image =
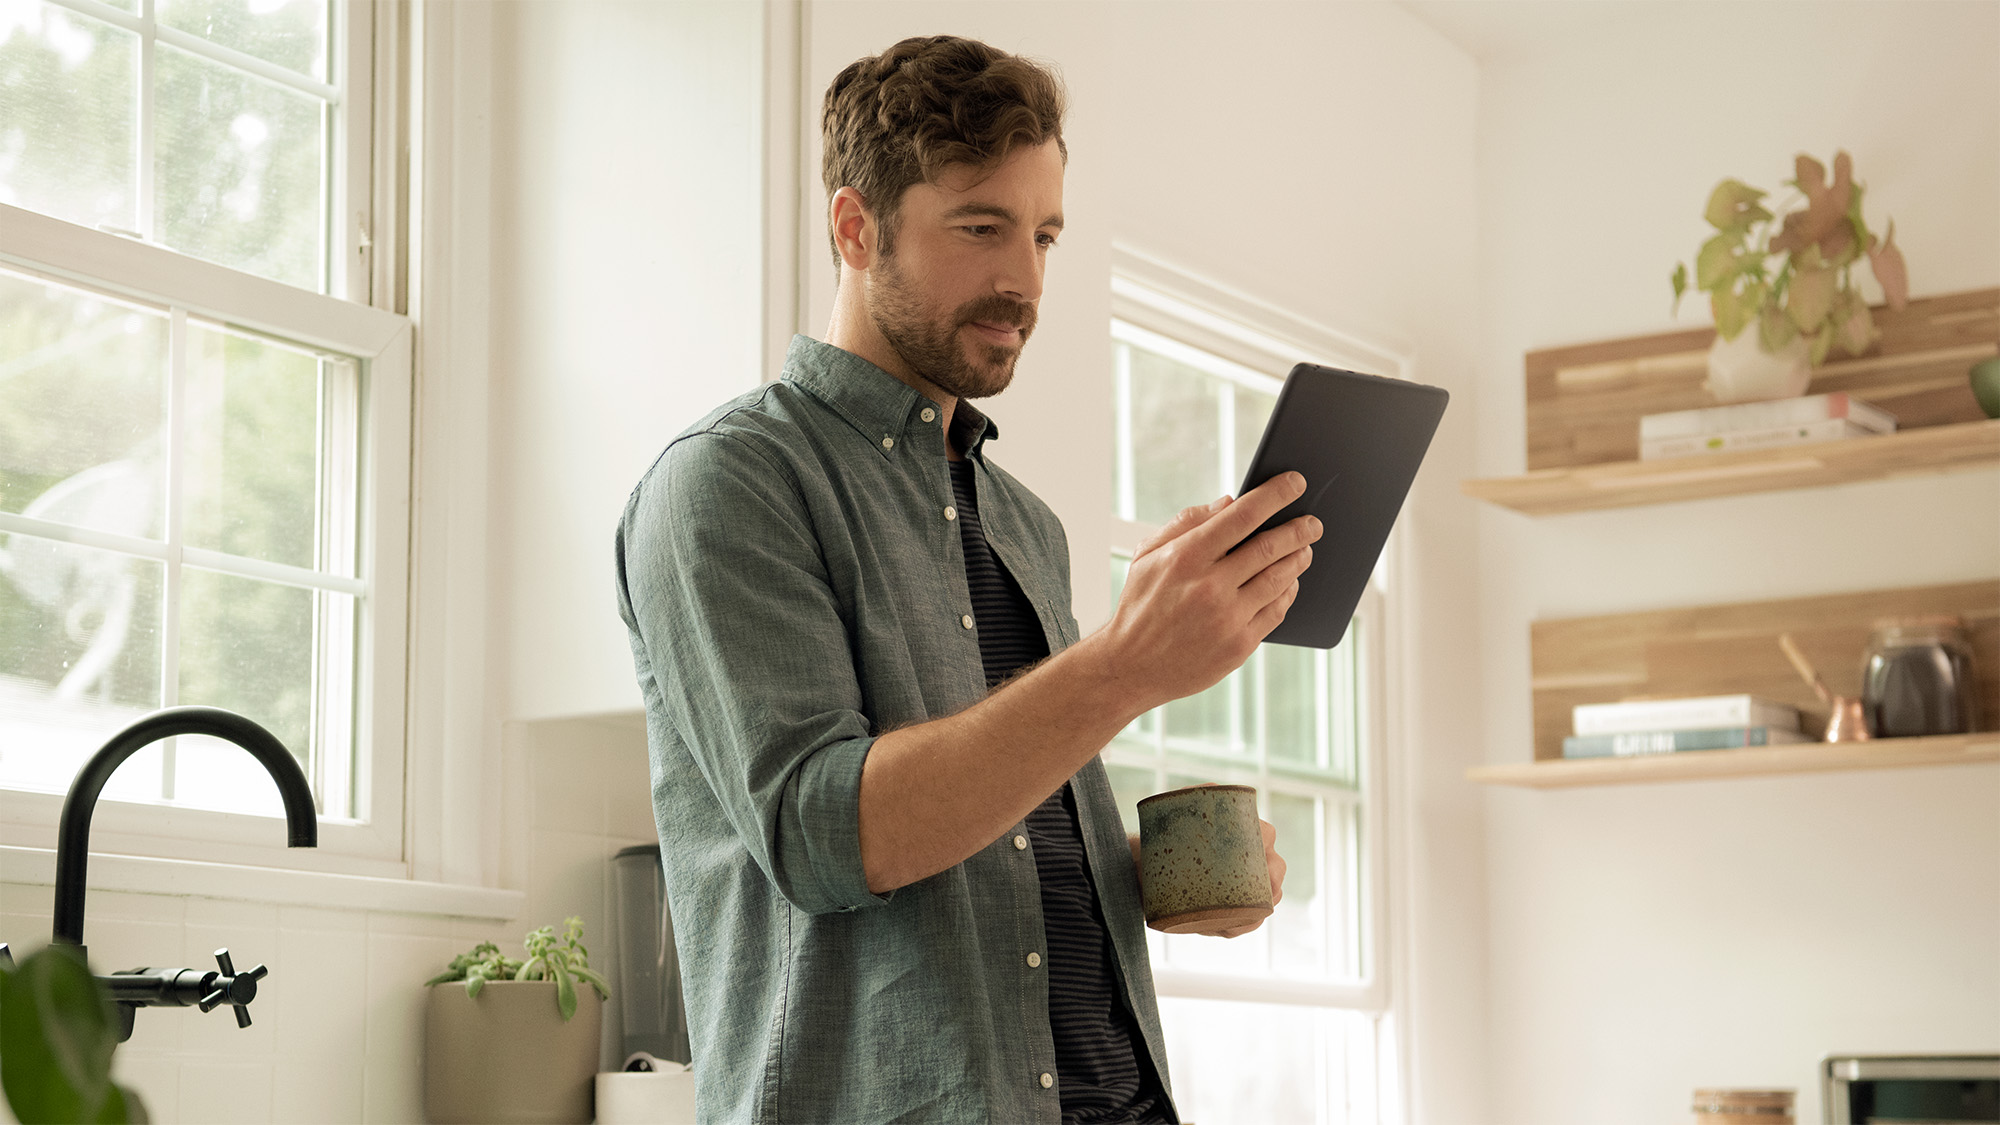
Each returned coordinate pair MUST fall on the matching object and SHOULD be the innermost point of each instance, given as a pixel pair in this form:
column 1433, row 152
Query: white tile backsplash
column 156, row 1078
column 225, row 1093
column 337, row 1027
column 393, row 1025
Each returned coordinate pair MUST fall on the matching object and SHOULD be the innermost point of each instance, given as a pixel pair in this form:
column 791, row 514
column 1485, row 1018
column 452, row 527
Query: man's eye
column 1048, row 241
column 983, row 229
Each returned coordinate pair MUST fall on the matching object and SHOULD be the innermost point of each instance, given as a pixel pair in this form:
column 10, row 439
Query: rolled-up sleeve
column 723, row 581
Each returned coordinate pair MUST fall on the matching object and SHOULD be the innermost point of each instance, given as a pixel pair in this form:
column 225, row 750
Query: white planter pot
column 1740, row 370
column 509, row 1056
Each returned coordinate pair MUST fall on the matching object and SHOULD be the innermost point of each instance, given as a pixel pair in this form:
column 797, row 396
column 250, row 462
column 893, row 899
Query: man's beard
column 931, row 349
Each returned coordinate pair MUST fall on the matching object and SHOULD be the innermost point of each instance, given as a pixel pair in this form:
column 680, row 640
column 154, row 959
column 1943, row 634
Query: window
column 1289, row 1023
column 204, row 445
column 235, row 131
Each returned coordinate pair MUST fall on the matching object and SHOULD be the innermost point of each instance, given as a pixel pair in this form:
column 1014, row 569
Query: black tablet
column 1358, row 440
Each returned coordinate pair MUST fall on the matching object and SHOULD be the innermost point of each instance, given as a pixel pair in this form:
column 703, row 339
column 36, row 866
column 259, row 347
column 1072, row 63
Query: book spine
column 1669, row 742
column 1766, row 415
column 1683, row 714
column 1870, row 417
column 1829, row 429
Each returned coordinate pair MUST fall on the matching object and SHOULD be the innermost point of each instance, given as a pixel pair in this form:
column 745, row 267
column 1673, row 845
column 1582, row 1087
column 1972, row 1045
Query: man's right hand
column 1199, row 599
column 1192, row 612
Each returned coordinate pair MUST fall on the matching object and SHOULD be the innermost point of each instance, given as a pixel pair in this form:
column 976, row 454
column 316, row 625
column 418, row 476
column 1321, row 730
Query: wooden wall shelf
column 1622, row 484
column 1727, row 649
column 1762, row 761
column 1584, row 403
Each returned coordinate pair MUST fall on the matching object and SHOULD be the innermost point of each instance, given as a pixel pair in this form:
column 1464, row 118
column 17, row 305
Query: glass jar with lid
column 1917, row 679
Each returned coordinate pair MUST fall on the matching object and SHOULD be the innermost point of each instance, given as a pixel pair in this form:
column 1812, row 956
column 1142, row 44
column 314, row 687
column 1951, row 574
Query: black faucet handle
column 233, row 988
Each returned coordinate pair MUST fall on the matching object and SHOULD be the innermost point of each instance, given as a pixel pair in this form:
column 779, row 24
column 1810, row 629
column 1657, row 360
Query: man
column 899, row 879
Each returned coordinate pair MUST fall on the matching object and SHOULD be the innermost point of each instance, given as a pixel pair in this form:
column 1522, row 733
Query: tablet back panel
column 1359, row 440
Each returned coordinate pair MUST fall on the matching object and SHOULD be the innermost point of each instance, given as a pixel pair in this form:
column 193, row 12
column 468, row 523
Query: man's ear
column 854, row 230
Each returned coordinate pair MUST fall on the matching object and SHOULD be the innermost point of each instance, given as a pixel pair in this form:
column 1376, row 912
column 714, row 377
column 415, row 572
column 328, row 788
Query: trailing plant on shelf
column 565, row 962
column 1790, row 272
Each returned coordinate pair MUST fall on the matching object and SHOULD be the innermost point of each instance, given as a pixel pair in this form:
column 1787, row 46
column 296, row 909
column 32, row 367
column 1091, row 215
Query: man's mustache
column 999, row 310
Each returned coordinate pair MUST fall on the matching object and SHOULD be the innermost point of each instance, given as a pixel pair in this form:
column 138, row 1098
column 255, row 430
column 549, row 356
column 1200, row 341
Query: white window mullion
column 148, row 112
column 334, row 666
column 1262, row 698
column 1225, row 438
column 1128, row 502
column 170, row 598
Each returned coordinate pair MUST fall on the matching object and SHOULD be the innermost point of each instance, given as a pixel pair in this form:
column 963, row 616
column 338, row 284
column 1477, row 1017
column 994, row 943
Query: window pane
column 82, row 402
column 1175, row 438
column 1281, row 1064
column 69, row 103
column 1130, row 784
column 1298, row 923
column 1201, row 722
column 241, row 169
column 1344, row 945
column 252, row 434
column 1253, row 409
column 79, row 659
column 1291, row 704
column 1344, row 707
column 247, row 646
column 291, row 34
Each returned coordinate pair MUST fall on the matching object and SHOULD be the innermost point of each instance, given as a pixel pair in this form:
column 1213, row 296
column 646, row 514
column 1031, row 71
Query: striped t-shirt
column 1100, row 1062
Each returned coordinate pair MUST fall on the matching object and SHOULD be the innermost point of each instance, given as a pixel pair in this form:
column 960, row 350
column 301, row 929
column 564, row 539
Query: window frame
column 1241, row 329
column 381, row 344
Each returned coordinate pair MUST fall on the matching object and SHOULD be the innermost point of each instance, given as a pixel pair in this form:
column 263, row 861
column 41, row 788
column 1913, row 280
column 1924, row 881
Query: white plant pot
column 508, row 1057
column 1740, row 370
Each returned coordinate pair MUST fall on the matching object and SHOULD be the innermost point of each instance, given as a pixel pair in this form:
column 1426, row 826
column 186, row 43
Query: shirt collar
column 874, row 402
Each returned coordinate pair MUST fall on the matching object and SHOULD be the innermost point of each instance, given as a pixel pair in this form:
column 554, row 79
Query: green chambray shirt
column 794, row 585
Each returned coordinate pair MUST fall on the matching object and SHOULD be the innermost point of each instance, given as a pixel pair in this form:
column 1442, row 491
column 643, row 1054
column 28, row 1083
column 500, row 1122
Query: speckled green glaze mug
column 1201, row 859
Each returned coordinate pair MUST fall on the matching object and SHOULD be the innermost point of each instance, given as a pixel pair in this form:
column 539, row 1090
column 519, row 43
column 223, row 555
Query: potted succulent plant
column 519, row 1042
column 1781, row 283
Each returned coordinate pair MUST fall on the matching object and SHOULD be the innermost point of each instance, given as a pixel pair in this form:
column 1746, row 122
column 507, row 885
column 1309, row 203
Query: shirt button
column 1048, row 1080
column 966, row 621
column 1034, row 960
column 1020, row 843
column 928, row 415
column 950, row 512
column 888, row 443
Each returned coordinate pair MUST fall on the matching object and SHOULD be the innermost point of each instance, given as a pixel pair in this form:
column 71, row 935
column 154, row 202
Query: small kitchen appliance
column 651, row 1023
column 1930, row 1089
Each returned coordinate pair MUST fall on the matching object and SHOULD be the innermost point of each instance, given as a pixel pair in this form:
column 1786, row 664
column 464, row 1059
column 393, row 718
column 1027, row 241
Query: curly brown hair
column 903, row 116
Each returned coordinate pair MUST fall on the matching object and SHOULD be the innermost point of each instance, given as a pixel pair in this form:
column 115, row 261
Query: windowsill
column 268, row 885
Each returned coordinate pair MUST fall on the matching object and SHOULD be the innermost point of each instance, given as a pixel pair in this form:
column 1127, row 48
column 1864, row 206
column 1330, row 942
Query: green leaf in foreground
column 57, row 1035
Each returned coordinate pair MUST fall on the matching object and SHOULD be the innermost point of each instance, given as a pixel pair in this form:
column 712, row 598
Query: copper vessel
column 1844, row 720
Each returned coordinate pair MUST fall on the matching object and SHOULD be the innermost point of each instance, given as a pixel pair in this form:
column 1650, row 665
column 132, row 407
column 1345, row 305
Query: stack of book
column 1760, row 425
column 1666, row 726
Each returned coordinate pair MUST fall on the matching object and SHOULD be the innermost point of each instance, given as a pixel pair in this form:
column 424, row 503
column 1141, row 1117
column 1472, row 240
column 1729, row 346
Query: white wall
column 1650, row 940
column 627, row 300
column 1319, row 157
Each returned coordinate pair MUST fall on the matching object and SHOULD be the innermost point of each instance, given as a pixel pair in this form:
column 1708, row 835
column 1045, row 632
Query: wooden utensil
column 1844, row 721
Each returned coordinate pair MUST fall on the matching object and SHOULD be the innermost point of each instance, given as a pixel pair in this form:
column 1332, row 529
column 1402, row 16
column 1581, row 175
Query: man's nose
column 1021, row 270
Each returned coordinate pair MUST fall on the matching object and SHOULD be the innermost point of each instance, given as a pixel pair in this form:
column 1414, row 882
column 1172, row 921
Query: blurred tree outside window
column 179, row 498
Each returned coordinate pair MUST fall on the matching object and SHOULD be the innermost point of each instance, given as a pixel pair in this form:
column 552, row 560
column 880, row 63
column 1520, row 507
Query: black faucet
column 136, row 988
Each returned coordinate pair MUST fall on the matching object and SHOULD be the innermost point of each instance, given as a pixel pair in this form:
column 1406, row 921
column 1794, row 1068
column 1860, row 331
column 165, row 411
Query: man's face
column 956, row 300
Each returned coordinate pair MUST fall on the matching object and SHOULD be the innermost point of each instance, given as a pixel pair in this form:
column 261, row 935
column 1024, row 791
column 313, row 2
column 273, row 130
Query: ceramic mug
column 1201, row 859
